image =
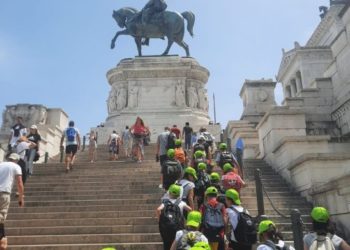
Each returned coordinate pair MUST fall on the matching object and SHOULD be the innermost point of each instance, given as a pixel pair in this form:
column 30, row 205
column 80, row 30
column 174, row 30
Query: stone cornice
column 158, row 67
column 257, row 84
column 280, row 110
column 324, row 26
column 307, row 138
column 318, row 157
column 290, row 57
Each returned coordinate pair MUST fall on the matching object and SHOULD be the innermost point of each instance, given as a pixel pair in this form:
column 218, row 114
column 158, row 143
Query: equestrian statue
column 154, row 21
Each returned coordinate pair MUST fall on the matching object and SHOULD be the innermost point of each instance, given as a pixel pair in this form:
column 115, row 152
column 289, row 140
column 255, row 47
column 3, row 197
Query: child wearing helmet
column 242, row 238
column 187, row 186
column 202, row 145
column 215, row 181
column 171, row 169
column 180, row 154
column 198, row 157
column 202, row 183
column 231, row 179
column 214, row 219
column 270, row 238
column 170, row 215
column 322, row 233
column 224, row 156
column 187, row 238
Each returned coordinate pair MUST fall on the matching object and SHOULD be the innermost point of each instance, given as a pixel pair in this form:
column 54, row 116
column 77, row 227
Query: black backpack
column 198, row 147
column 173, row 169
column 213, row 220
column 226, row 157
column 171, row 218
column 245, row 232
column 171, row 141
column 201, row 184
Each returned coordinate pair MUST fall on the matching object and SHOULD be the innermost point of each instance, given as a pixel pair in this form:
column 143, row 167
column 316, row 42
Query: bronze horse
column 166, row 24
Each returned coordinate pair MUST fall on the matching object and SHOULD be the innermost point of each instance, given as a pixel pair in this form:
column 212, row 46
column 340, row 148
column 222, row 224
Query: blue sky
column 56, row 52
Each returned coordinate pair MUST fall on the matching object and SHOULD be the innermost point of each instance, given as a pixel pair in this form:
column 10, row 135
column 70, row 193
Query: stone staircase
column 113, row 204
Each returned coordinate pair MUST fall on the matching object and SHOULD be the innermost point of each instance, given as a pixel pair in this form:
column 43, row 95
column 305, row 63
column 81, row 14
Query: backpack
column 208, row 138
column 71, row 134
column 201, row 184
column 171, row 218
column 245, row 232
column 269, row 243
column 213, row 220
column 189, row 239
column 226, row 157
column 17, row 129
column 114, row 142
column 231, row 180
column 198, row 147
column 180, row 155
column 171, row 141
column 322, row 242
column 173, row 169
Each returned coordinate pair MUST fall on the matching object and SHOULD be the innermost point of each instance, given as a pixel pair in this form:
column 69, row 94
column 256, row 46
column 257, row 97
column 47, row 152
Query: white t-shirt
column 114, row 136
column 21, row 149
column 8, row 173
column 181, row 232
column 186, row 186
column 233, row 218
column 14, row 139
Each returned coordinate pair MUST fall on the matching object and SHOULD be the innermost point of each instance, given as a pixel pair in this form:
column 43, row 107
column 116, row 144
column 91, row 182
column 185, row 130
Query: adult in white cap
column 10, row 172
column 33, row 153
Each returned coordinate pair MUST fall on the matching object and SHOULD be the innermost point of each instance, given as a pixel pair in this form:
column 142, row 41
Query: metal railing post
column 61, row 154
column 259, row 192
column 297, row 227
column 84, row 137
column 46, row 157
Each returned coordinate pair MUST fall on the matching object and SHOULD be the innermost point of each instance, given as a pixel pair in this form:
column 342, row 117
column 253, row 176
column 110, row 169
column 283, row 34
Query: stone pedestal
column 258, row 97
column 162, row 90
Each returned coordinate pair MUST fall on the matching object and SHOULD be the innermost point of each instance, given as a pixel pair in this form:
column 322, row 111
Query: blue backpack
column 71, row 134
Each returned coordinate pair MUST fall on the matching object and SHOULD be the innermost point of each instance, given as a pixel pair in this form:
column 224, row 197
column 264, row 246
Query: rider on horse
column 151, row 8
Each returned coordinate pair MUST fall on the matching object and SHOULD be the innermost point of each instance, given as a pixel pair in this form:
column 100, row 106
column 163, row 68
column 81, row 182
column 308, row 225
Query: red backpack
column 232, row 180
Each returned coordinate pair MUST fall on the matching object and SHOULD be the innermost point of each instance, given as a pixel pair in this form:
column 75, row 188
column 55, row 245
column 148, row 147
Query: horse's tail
column 190, row 18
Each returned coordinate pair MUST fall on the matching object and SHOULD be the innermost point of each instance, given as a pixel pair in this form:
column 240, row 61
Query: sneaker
column 139, row 161
column 160, row 186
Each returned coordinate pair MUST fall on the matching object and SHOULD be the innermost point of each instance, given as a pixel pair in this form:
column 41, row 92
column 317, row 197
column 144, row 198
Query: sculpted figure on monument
column 112, row 101
column 133, row 96
column 180, row 98
column 121, row 98
column 153, row 21
column 203, row 99
column 192, row 97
